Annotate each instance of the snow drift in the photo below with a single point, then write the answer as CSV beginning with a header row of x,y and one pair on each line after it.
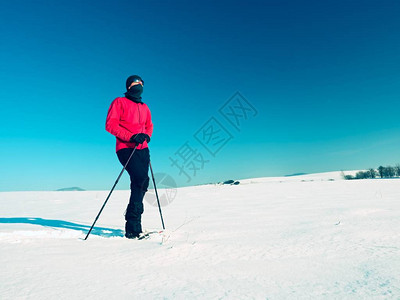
x,y
310,236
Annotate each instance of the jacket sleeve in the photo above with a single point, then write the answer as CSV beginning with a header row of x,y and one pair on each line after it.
x,y
149,124
112,122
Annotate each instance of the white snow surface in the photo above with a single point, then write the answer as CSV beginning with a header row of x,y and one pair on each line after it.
x,y
304,237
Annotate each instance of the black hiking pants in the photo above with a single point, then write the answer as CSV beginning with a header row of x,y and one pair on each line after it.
x,y
137,169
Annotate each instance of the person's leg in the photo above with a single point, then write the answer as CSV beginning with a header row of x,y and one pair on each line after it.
x,y
137,168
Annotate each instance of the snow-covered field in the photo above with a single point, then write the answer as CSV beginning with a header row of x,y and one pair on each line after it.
x,y
303,237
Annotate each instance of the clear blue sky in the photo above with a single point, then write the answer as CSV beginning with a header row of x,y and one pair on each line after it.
x,y
323,77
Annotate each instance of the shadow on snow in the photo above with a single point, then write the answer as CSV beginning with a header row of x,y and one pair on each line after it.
x,y
100,231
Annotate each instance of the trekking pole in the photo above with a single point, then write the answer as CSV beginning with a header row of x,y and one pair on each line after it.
x,y
158,201
120,174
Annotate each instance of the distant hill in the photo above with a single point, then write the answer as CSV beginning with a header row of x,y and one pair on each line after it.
x,y
296,174
74,188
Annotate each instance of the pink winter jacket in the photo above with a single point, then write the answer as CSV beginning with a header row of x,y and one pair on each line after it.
x,y
126,118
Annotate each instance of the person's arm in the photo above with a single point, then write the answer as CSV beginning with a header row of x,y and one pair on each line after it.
x,y
148,129
112,122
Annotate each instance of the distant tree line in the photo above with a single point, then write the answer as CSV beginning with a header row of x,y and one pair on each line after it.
x,y
381,172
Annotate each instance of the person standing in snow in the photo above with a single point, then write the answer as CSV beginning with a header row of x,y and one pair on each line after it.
x,y
129,120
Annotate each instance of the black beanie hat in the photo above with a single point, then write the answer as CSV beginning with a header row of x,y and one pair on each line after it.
x,y
132,79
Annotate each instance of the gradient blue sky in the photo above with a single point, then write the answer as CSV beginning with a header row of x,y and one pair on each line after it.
x,y
322,75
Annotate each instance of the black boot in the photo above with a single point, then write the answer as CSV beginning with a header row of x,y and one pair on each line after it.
x,y
132,235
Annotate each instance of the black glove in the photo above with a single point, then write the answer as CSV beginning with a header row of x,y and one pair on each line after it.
x,y
139,138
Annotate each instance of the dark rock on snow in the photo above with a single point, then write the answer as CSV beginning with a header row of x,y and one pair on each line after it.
x,y
231,182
